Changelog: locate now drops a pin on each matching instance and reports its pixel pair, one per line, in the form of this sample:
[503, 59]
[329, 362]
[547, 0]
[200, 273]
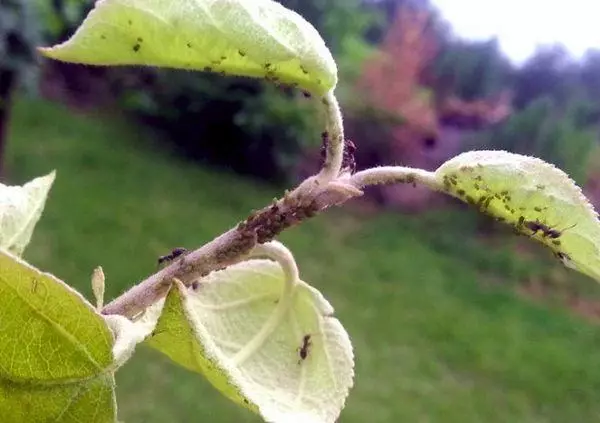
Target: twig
[312, 196]
[229, 248]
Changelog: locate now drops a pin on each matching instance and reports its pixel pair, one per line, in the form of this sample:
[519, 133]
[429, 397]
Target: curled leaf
[536, 198]
[259, 38]
[283, 356]
[20, 210]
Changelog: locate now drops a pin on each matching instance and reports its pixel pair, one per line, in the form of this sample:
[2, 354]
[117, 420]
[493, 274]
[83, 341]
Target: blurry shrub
[560, 136]
[60, 18]
[250, 125]
[18, 38]
[551, 71]
[472, 69]
[19, 34]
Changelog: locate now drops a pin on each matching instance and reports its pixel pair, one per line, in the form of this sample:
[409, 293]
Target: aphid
[547, 231]
[563, 257]
[304, 349]
[175, 252]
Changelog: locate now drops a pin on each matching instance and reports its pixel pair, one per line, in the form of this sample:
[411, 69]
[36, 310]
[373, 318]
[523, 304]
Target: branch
[326, 189]
[233, 246]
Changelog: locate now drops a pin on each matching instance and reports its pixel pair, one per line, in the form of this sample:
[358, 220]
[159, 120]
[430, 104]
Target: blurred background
[453, 318]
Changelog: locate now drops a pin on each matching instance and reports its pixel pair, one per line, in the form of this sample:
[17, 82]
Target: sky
[521, 25]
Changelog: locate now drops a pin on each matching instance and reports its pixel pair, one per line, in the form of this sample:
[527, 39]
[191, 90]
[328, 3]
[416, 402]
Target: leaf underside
[20, 209]
[536, 198]
[237, 330]
[258, 38]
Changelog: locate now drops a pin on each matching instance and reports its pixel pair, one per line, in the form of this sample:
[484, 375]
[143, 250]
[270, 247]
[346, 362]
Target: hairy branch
[231, 247]
[334, 185]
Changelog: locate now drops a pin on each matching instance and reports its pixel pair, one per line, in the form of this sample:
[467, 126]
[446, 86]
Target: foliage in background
[61, 17]
[18, 38]
[472, 69]
[252, 128]
[544, 130]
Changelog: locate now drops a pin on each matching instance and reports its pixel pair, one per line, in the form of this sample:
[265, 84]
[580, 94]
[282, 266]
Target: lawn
[435, 341]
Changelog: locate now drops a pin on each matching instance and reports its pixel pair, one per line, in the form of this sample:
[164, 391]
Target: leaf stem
[394, 175]
[278, 252]
[334, 147]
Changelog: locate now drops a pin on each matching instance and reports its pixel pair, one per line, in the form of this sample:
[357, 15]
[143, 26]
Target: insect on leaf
[258, 38]
[238, 330]
[536, 198]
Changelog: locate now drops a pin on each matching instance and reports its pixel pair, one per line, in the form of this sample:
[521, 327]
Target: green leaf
[92, 401]
[55, 350]
[245, 333]
[533, 196]
[20, 210]
[258, 38]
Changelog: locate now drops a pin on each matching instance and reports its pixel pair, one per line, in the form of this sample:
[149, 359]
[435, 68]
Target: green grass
[433, 343]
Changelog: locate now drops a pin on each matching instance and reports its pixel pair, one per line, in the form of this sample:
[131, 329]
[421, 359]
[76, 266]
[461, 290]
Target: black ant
[304, 349]
[547, 232]
[175, 252]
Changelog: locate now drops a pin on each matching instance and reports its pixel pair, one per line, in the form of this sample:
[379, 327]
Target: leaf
[259, 38]
[98, 286]
[92, 401]
[55, 350]
[237, 329]
[529, 194]
[20, 210]
[127, 335]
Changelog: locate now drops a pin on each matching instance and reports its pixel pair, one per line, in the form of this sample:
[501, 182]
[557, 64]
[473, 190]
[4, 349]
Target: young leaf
[98, 287]
[258, 38]
[535, 197]
[55, 350]
[20, 210]
[283, 356]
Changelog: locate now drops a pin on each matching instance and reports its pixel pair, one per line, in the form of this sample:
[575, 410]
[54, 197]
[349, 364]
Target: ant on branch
[175, 252]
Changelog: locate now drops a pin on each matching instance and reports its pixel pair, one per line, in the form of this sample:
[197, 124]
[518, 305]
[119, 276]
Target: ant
[175, 252]
[304, 349]
[547, 232]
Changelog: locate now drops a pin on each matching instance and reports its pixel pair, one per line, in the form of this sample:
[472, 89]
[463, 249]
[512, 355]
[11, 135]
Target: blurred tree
[550, 71]
[589, 76]
[472, 69]
[18, 38]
